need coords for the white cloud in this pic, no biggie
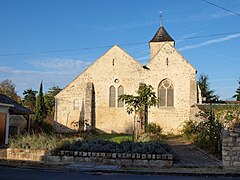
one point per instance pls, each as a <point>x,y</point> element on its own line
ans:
<point>210,42</point>
<point>204,16</point>
<point>10,70</point>
<point>143,59</point>
<point>51,71</point>
<point>61,65</point>
<point>185,37</point>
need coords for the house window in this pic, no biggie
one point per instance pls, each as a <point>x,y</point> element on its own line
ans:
<point>166,94</point>
<point>112,96</point>
<point>75,105</point>
<point>120,92</point>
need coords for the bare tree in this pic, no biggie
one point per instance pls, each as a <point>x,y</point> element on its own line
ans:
<point>7,87</point>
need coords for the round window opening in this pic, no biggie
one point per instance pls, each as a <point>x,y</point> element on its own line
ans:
<point>116,80</point>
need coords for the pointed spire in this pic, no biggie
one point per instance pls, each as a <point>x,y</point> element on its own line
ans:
<point>161,35</point>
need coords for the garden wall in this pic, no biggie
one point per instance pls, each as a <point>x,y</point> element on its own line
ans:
<point>22,154</point>
<point>231,148</point>
<point>59,157</point>
<point>154,160</point>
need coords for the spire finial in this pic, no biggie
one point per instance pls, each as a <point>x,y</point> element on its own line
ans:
<point>161,17</point>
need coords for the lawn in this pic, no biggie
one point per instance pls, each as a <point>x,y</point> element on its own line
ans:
<point>118,138</point>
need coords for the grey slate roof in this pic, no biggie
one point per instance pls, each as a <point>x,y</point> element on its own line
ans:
<point>18,109</point>
<point>161,35</point>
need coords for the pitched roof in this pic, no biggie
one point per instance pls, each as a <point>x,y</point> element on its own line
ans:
<point>161,35</point>
<point>18,109</point>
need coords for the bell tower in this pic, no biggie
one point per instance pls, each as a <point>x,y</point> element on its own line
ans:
<point>158,40</point>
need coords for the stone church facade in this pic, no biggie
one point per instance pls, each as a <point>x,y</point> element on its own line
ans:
<point>90,100</point>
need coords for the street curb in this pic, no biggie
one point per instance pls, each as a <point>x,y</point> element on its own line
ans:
<point>126,171</point>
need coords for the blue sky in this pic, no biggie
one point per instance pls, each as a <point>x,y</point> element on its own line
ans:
<point>49,25</point>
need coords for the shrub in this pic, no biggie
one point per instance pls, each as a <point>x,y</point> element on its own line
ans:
<point>43,127</point>
<point>153,128</point>
<point>47,127</point>
<point>205,134</point>
<point>60,142</point>
<point>147,137</point>
<point>113,147</point>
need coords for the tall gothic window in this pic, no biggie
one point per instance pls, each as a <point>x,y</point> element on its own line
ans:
<point>120,92</point>
<point>166,94</point>
<point>112,96</point>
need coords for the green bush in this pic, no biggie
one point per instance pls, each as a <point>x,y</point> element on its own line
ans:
<point>153,128</point>
<point>113,147</point>
<point>43,127</point>
<point>205,134</point>
<point>47,128</point>
<point>147,137</point>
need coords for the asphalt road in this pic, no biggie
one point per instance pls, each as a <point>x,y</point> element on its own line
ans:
<point>29,174</point>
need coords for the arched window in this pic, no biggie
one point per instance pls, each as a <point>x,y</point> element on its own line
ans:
<point>112,96</point>
<point>166,94</point>
<point>120,92</point>
<point>75,104</point>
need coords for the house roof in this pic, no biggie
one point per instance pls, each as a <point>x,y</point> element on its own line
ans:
<point>17,109</point>
<point>161,35</point>
<point>6,105</point>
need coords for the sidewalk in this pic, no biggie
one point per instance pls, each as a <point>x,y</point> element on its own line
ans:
<point>191,162</point>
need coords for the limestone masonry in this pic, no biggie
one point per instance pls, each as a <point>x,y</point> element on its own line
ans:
<point>90,100</point>
<point>231,149</point>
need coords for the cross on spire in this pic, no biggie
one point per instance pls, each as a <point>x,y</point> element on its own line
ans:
<point>161,17</point>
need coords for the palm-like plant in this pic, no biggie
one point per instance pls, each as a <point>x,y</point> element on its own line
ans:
<point>237,95</point>
<point>29,99</point>
<point>49,99</point>
<point>205,89</point>
<point>139,105</point>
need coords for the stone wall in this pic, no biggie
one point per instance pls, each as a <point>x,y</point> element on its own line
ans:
<point>231,149</point>
<point>127,159</point>
<point>59,157</point>
<point>23,154</point>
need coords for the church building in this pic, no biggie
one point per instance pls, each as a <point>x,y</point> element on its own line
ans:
<point>90,101</point>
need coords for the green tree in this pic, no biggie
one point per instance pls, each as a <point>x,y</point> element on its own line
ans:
<point>50,100</point>
<point>7,87</point>
<point>29,99</point>
<point>40,110</point>
<point>237,95</point>
<point>205,89</point>
<point>139,105</point>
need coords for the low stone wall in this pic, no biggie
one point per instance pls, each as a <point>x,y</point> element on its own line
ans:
<point>231,149</point>
<point>154,160</point>
<point>61,157</point>
<point>23,154</point>
<point>3,153</point>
